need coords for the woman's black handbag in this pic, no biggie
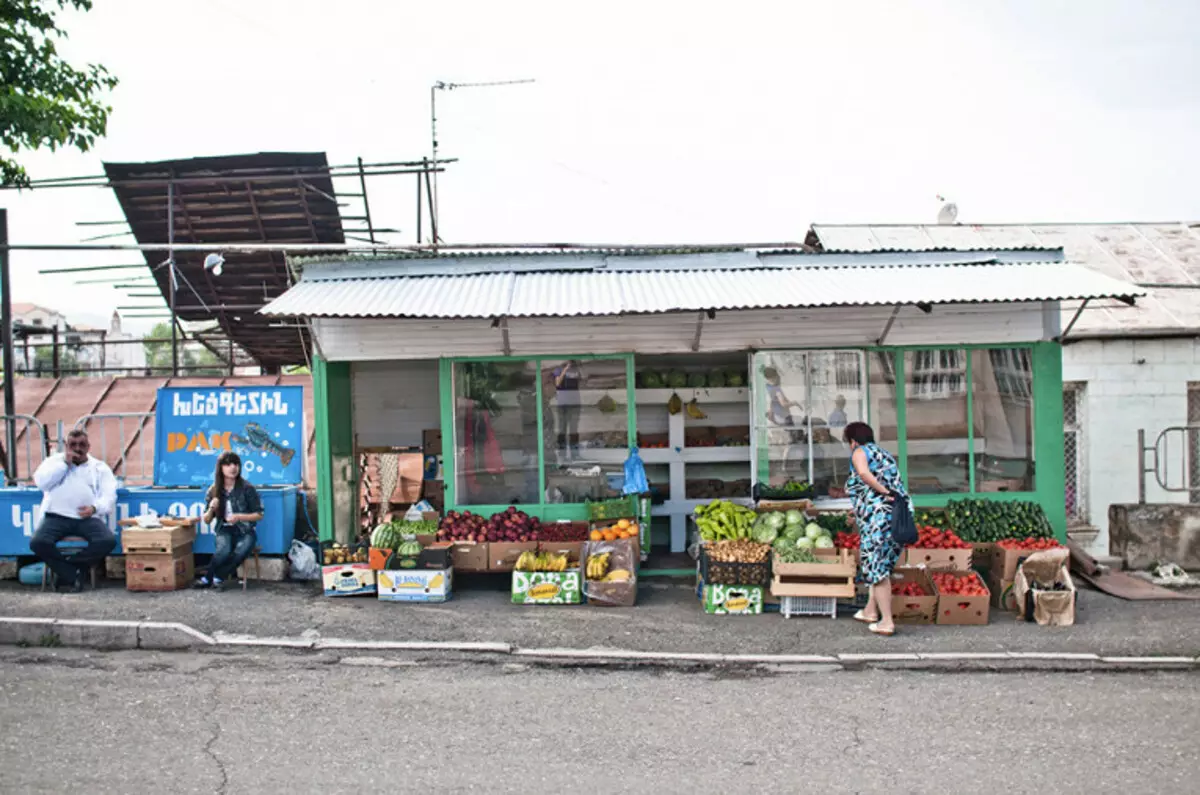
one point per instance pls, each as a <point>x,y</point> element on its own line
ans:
<point>904,527</point>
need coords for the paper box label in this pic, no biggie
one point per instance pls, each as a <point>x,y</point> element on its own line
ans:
<point>733,599</point>
<point>547,587</point>
<point>348,579</point>
<point>427,585</point>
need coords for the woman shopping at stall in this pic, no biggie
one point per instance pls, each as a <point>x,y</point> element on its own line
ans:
<point>874,485</point>
<point>235,507</point>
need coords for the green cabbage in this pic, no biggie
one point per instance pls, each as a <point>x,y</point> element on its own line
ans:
<point>805,543</point>
<point>796,517</point>
<point>794,532</point>
<point>763,533</point>
<point>775,519</point>
<point>824,542</point>
<point>814,530</point>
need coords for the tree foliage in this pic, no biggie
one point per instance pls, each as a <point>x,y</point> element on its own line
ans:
<point>45,101</point>
<point>192,360</point>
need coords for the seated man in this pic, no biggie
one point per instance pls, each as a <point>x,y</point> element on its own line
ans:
<point>79,490</point>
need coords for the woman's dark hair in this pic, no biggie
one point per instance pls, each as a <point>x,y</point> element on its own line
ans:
<point>218,489</point>
<point>859,433</point>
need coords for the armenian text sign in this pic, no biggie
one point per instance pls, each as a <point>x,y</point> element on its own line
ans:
<point>264,425</point>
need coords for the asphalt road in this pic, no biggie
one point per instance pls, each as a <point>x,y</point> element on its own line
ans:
<point>278,722</point>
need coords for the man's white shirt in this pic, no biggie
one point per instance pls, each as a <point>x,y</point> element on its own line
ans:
<point>69,487</point>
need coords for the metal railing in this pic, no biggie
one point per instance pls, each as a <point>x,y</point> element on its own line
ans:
<point>1173,445</point>
<point>130,431</point>
<point>33,433</point>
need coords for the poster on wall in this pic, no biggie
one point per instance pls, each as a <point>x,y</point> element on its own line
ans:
<point>262,424</point>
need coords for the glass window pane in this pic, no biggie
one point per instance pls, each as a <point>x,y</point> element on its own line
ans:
<point>586,419</point>
<point>838,397</point>
<point>495,433</point>
<point>936,421</point>
<point>781,424</point>
<point>1003,407</point>
<point>881,373</point>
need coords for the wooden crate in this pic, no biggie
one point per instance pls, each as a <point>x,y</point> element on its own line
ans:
<point>158,540</point>
<point>815,579</point>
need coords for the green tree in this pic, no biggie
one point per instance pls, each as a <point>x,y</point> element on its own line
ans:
<point>192,360</point>
<point>44,101</point>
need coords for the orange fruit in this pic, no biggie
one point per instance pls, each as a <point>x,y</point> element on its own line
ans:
<point>597,535</point>
<point>623,524</point>
<point>610,535</point>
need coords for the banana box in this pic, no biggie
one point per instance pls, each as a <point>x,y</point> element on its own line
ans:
<point>731,600</point>
<point>547,587</point>
<point>415,585</point>
<point>348,579</point>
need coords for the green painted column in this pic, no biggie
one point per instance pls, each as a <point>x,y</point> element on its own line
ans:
<point>1048,455</point>
<point>335,441</point>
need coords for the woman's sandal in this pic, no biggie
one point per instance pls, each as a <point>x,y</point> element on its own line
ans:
<point>875,628</point>
<point>861,616</point>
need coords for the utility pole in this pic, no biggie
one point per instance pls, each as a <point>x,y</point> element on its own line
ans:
<point>6,319</point>
<point>171,276</point>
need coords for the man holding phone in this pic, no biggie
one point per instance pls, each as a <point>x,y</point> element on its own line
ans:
<point>79,491</point>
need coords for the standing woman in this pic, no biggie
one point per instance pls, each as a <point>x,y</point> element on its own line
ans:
<point>874,483</point>
<point>235,507</point>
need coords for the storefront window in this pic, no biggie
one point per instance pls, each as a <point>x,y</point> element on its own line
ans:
<point>884,420</point>
<point>586,426</point>
<point>936,424</point>
<point>495,426</point>
<point>1002,385</point>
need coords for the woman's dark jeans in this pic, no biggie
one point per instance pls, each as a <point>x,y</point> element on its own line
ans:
<point>232,547</point>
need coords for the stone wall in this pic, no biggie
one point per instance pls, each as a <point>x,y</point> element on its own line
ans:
<point>1155,532</point>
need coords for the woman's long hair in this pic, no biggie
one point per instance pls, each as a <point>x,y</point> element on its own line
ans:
<point>218,488</point>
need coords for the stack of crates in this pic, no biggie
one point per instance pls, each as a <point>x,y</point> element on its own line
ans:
<point>160,558</point>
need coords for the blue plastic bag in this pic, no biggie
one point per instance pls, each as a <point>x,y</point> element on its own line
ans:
<point>635,474</point>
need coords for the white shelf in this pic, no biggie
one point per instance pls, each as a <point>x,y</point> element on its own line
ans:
<point>715,455</point>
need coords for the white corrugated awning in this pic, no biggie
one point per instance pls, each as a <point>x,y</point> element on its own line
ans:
<point>601,293</point>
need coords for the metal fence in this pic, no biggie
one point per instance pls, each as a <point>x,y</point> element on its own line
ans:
<point>1075,453</point>
<point>1172,460</point>
<point>28,434</point>
<point>121,439</point>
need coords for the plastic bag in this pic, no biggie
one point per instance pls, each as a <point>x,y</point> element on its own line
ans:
<point>635,474</point>
<point>414,513</point>
<point>304,562</point>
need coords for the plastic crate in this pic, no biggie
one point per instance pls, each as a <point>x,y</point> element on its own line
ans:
<point>712,571</point>
<point>808,606</point>
<point>762,491</point>
<point>621,508</point>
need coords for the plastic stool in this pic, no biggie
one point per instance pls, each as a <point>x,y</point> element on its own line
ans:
<point>257,567</point>
<point>73,542</point>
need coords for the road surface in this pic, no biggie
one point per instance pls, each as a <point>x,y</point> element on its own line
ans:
<point>124,722</point>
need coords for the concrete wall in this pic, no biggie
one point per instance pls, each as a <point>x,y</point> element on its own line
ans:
<point>1146,534</point>
<point>1129,384</point>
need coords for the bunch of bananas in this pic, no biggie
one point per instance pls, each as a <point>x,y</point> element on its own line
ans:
<point>693,410</point>
<point>675,404</point>
<point>541,561</point>
<point>597,566</point>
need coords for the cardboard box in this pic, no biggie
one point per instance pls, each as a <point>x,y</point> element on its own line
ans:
<point>733,600</point>
<point>502,556</point>
<point>1003,597</point>
<point>1055,608</point>
<point>623,554</point>
<point>547,587</point>
<point>348,579</point>
<point>434,492</point>
<point>981,555</point>
<point>574,550</point>
<point>114,567</point>
<point>159,572</point>
<point>431,441</point>
<point>469,556</point>
<point>415,585</point>
<point>944,559</point>
<point>913,609</point>
<point>1005,562</point>
<point>158,540</point>
<point>956,610</point>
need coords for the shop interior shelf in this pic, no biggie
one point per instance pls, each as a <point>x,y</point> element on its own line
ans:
<point>588,397</point>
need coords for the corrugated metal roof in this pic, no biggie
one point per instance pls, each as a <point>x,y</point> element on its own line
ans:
<point>1139,253</point>
<point>565,294</point>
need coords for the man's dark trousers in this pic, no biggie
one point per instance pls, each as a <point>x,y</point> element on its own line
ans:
<point>54,528</point>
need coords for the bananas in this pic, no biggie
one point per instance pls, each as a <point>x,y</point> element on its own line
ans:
<point>542,561</point>
<point>597,566</point>
<point>675,404</point>
<point>618,575</point>
<point>693,410</point>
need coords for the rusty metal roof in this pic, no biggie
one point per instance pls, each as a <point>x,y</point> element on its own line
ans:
<point>763,281</point>
<point>253,198</point>
<point>1163,257</point>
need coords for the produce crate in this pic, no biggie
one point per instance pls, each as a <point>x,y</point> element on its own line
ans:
<point>160,540</point>
<point>808,606</point>
<point>913,609</point>
<point>942,559</point>
<point>770,506</point>
<point>348,579</point>
<point>415,585</point>
<point>981,555</point>
<point>959,610</point>
<point>718,573</point>
<point>821,580</point>
<point>764,492</point>
<point>620,508</point>
<point>730,600</point>
<point>547,587</point>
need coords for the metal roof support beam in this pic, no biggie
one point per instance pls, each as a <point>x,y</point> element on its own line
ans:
<point>1074,319</point>
<point>710,313</point>
<point>888,327</point>
<point>502,324</point>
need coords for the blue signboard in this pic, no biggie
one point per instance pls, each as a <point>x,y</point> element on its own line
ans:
<point>262,424</point>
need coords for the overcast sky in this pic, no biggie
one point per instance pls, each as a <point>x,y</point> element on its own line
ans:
<point>650,121</point>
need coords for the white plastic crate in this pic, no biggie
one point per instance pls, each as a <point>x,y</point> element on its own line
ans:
<point>808,606</point>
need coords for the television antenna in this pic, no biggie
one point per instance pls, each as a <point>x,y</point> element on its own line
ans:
<point>948,215</point>
<point>445,86</point>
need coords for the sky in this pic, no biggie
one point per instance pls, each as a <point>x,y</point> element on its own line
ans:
<point>648,122</point>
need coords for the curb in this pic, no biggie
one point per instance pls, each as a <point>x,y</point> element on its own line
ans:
<point>174,636</point>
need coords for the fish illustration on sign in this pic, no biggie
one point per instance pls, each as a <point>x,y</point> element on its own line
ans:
<point>257,438</point>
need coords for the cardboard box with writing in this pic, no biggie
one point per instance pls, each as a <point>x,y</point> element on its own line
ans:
<point>733,600</point>
<point>469,556</point>
<point>502,555</point>
<point>431,441</point>
<point>943,559</point>
<point>547,587</point>
<point>1003,597</point>
<point>415,585</point>
<point>913,609</point>
<point>1005,562</point>
<point>960,610</point>
<point>158,572</point>
<point>348,579</point>
<point>981,555</point>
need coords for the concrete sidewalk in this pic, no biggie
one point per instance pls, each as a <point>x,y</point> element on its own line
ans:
<point>667,620</point>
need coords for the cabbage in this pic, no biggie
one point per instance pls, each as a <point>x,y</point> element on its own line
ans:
<point>774,519</point>
<point>783,542</point>
<point>795,517</point>
<point>824,542</point>
<point>805,543</point>
<point>814,530</point>
<point>794,533</point>
<point>763,533</point>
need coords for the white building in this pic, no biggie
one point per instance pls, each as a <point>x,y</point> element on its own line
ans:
<point>1125,368</point>
<point>34,315</point>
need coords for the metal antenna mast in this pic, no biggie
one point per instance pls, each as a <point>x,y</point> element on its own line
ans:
<point>444,86</point>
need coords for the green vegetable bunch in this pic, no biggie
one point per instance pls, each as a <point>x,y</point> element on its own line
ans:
<point>722,520</point>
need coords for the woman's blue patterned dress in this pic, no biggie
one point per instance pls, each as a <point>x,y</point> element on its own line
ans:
<point>873,514</point>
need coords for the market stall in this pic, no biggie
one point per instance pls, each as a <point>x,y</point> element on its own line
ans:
<point>730,371</point>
